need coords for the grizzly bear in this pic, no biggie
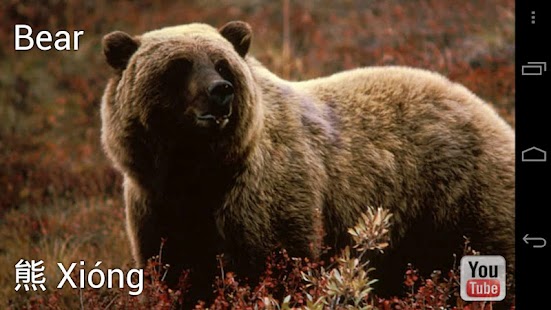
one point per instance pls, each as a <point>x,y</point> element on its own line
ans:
<point>219,155</point>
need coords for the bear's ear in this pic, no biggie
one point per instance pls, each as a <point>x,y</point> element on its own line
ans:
<point>239,34</point>
<point>118,47</point>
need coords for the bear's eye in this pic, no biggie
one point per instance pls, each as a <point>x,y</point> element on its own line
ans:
<point>178,67</point>
<point>177,73</point>
<point>222,67</point>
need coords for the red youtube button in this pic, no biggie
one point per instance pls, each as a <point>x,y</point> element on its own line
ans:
<point>483,288</point>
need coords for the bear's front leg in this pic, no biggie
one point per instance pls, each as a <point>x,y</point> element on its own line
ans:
<point>190,239</point>
<point>141,223</point>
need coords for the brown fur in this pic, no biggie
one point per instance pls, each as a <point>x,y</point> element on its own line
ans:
<point>404,139</point>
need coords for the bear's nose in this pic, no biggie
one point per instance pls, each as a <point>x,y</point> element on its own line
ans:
<point>221,94</point>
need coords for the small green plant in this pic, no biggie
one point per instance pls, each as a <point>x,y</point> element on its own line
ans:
<point>347,284</point>
<point>372,231</point>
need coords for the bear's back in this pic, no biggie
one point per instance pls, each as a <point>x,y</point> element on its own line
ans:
<point>419,138</point>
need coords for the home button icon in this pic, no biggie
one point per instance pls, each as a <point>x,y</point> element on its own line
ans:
<point>534,154</point>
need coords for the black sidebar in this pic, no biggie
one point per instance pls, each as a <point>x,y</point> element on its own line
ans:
<point>533,173</point>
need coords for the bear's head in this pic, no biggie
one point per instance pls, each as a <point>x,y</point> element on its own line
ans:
<point>185,85</point>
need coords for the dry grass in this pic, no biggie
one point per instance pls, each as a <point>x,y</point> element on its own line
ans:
<point>65,231</point>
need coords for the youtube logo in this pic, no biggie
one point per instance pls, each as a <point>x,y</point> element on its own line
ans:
<point>483,288</point>
<point>483,278</point>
